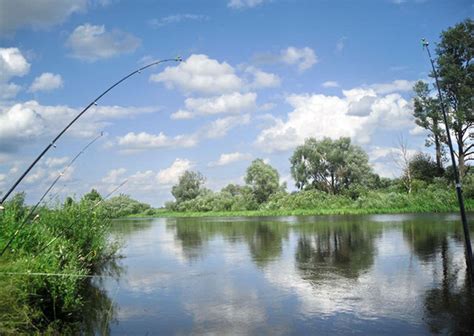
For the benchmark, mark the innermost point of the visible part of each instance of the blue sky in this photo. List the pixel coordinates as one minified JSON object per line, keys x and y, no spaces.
{"x":258,"y":77}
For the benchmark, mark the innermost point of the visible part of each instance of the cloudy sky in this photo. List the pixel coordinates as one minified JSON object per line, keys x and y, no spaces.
{"x":257,"y":78}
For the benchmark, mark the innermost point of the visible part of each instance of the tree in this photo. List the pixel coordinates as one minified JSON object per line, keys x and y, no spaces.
{"x":189,"y":186}
{"x":329,"y":165}
{"x":423,"y":168}
{"x":263,"y":179}
{"x":456,"y":77}
{"x":92,"y":196}
{"x":428,"y":116}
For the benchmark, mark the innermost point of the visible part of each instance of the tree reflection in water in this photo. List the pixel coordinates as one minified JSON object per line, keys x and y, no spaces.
{"x":449,"y":306}
{"x":326,"y":250}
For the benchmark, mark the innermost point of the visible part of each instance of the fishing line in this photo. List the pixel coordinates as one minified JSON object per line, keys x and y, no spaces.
{"x":61,"y":174}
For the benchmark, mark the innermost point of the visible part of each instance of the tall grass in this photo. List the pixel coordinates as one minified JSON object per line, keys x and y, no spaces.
{"x":43,"y":272}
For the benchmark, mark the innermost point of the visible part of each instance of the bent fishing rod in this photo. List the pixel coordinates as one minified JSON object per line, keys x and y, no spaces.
{"x":32,"y":210}
{"x":94,"y":102}
{"x":457,"y":180}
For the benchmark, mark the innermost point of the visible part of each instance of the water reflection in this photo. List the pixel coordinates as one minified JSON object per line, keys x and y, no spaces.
{"x":288,"y":275}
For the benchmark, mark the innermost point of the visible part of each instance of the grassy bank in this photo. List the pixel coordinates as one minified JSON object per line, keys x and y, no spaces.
{"x":44,"y":272}
{"x":318,"y":203}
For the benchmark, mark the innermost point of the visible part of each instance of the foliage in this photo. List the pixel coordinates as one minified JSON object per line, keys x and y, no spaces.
{"x":329,"y":165}
{"x":189,"y":186}
{"x":92,"y":196}
{"x":454,"y":64}
{"x":428,"y":116}
{"x":124,"y":205}
{"x":263,"y":179}
{"x":69,"y":243}
{"x":423,"y":168}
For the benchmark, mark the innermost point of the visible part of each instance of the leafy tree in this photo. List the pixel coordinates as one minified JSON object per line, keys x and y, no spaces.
{"x":329,"y":165}
{"x":423,"y":168}
{"x":428,"y":116}
{"x":456,"y":74}
{"x":124,"y":205}
{"x":189,"y":186}
{"x":263,"y":179}
{"x":92,"y":196}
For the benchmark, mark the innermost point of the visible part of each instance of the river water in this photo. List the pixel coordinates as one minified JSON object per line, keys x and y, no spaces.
{"x":378,"y":274}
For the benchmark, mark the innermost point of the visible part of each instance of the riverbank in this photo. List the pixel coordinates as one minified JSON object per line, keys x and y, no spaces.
{"x":316,"y":203}
{"x":47,"y":267}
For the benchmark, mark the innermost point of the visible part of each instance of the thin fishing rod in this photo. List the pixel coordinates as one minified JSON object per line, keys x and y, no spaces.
{"x":68,"y":227}
{"x":462,"y":209}
{"x":94,"y":102}
{"x":32,"y":210}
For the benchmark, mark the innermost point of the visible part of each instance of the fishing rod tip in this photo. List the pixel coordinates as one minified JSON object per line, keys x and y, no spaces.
{"x":424,"y":42}
{"x":178,"y":59}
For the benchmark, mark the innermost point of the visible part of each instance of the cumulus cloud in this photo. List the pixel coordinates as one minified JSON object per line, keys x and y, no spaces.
{"x":177,"y":18}
{"x":200,"y":74}
{"x":241,"y":4}
{"x":228,"y":158}
{"x":398,"y":85}
{"x":171,"y":174}
{"x":52,"y":162}
{"x":262,"y":79}
{"x":303,"y":58}
{"x":233,"y":103}
{"x":93,"y":42}
{"x":46,"y":82}
{"x":356,"y":114}
{"x":38,"y":14}
{"x":135,"y":142}
{"x":12,"y":64}
{"x":27,"y":122}
{"x":140,"y":141}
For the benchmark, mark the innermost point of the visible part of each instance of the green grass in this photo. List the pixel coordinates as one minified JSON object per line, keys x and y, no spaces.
{"x":43,"y":273}
{"x":317,"y":203}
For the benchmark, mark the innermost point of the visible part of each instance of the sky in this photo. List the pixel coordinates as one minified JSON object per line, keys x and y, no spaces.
{"x":257,"y":78}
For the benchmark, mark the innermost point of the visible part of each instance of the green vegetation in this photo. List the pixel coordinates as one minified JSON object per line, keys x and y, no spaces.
{"x":44,"y":271}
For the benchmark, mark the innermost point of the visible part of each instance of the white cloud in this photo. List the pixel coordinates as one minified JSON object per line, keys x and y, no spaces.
{"x":357,"y":114}
{"x":200,"y":74}
{"x":38,"y":14}
{"x":114,"y":176}
{"x":228,"y":158}
{"x":12,"y":64}
{"x":9,"y":90}
{"x":56,"y":161}
{"x":330,"y":84}
{"x":171,"y":19}
{"x":399,"y":85}
{"x":220,"y":127}
{"x":46,"y":82}
{"x":171,"y":174}
{"x":262,"y":79}
{"x":241,"y":4}
{"x":140,"y":141}
{"x":233,"y":103}
{"x":303,"y":58}
{"x":29,"y":121}
{"x":92,"y":42}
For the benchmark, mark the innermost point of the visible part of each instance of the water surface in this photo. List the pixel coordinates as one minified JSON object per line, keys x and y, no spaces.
{"x":381,"y":274}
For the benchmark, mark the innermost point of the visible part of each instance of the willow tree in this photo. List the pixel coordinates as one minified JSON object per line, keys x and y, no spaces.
{"x":329,"y":165}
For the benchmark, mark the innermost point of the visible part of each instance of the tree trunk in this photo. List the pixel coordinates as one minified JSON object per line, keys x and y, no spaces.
{"x":461,"y":163}
{"x":439,"y":164}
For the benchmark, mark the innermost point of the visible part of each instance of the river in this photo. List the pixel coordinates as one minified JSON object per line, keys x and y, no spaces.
{"x":326,"y":275}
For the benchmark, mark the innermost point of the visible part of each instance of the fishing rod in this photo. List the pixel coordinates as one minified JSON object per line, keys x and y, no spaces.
{"x":94,"y":102}
{"x":68,"y":227}
{"x":462,"y":209}
{"x":61,"y":174}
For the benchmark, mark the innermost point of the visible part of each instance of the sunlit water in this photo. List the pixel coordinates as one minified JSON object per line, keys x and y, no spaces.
{"x":383,"y":274}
